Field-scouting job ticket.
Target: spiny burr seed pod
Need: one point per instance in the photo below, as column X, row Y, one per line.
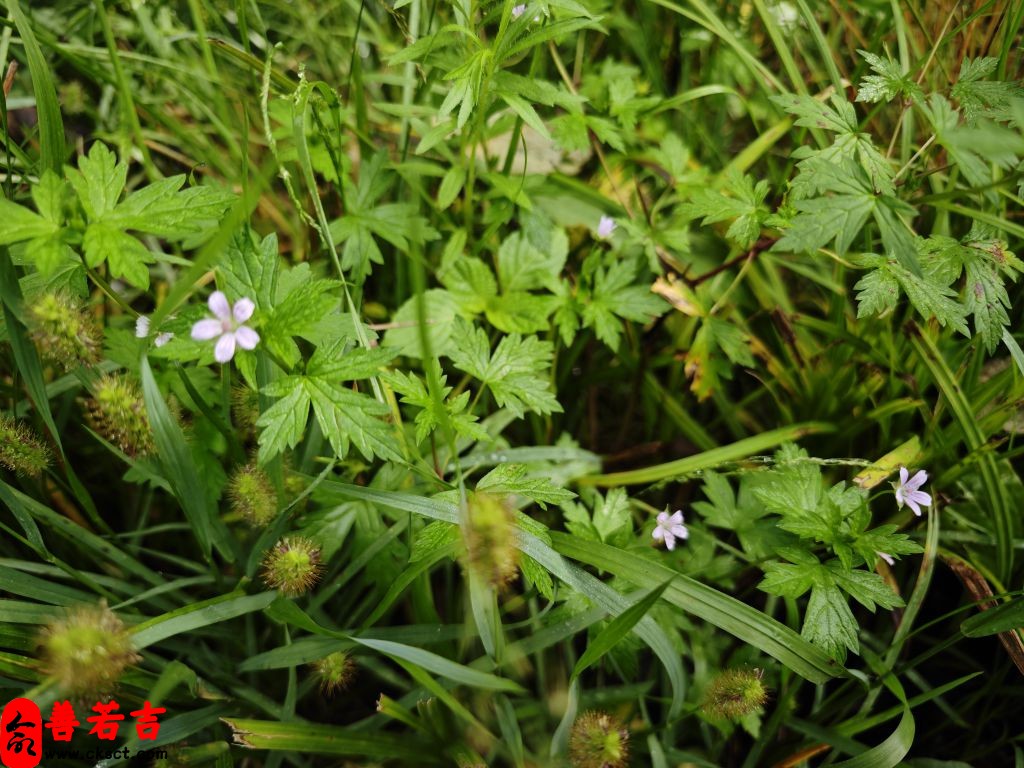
column 598, row 740
column 21, row 451
column 292, row 566
column 87, row 650
column 489, row 535
column 63, row 331
column 734, row 693
column 335, row 672
column 245, row 407
column 117, row 411
column 252, row 496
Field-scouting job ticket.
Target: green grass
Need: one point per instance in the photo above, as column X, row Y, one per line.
column 470, row 404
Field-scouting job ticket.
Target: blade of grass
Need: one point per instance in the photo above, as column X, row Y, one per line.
column 738, row 619
column 617, row 629
column 595, row 590
column 51, row 125
column 741, row 449
column 995, row 491
column 306, row 738
column 192, row 617
column 180, row 469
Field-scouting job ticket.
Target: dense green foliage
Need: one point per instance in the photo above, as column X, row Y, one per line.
column 463, row 383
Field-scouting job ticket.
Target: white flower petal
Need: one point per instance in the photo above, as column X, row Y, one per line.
column 207, row 329
column 141, row 327
column 904, row 474
column 662, row 518
column 677, row 517
column 658, row 533
column 921, row 498
column 680, row 531
column 605, row 227
column 912, row 503
column 225, row 348
column 246, row 337
column 163, row 338
column 670, row 541
column 218, row 304
column 243, row 309
column 888, row 558
column 919, row 479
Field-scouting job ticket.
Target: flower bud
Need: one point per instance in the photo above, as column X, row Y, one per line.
column 735, row 693
column 20, row 450
column 598, row 740
column 88, row 650
column 335, row 671
column 118, row 412
column 63, row 331
column 252, row 496
column 489, row 535
column 292, row 566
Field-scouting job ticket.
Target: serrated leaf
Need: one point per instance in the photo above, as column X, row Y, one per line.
column 441, row 309
column 431, row 538
column 126, row 256
column 866, row 587
column 745, row 206
column 163, row 208
column 788, row 580
column 250, row 268
column 980, row 97
column 889, row 81
column 522, row 267
column 614, row 298
column 22, row 224
column 283, row 424
column 513, row 478
column 513, row 372
column 829, row 622
column 99, row 181
column 346, row 416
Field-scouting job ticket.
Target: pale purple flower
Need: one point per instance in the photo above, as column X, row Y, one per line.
column 519, row 10
column 606, row 227
column 887, row 557
column 907, row 490
column 670, row 528
column 227, row 326
column 142, row 331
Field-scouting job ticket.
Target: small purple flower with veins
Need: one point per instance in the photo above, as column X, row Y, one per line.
column 606, row 227
column 518, row 10
column 670, row 528
column 227, row 327
column 907, row 490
